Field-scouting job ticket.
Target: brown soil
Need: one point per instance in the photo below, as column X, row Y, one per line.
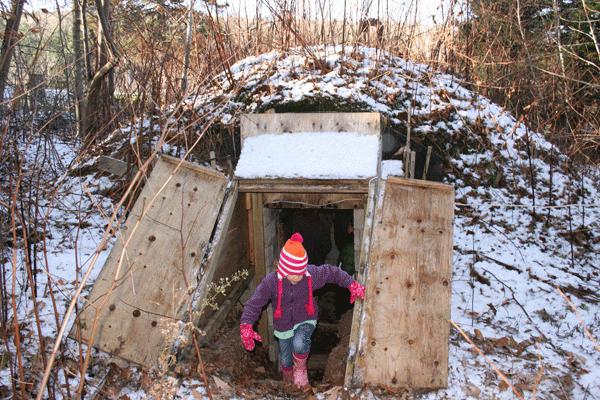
column 336, row 363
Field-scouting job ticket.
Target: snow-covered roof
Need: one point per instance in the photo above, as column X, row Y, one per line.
column 311, row 155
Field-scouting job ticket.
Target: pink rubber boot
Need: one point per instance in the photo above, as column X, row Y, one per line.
column 287, row 374
column 300, row 373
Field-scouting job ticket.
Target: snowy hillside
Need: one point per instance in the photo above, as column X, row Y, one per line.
column 527, row 221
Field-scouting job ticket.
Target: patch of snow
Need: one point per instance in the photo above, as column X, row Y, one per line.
column 392, row 168
column 314, row 155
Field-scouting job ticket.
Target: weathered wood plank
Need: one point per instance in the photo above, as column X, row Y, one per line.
column 113, row 166
column 258, row 238
column 214, row 259
column 304, row 185
column 359, row 224
column 234, row 253
column 404, row 340
column 341, row 201
column 175, row 196
column 145, row 283
column 260, row 124
column 260, row 266
column 270, row 250
column 361, row 273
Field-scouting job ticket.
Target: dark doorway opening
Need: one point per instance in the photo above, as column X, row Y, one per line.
column 328, row 239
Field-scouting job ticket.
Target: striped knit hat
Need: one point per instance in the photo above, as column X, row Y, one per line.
column 293, row 261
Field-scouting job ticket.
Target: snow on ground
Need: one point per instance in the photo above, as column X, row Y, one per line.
column 72, row 214
column 526, row 221
column 318, row 155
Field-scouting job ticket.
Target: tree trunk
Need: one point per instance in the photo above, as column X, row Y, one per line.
column 79, row 69
column 187, row 50
column 101, row 88
column 89, row 73
column 8, row 43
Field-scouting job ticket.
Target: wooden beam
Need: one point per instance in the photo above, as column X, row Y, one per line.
column 258, row 237
column 361, row 274
column 260, row 267
column 343, row 201
column 249, row 216
column 270, row 251
column 427, row 158
column 304, row 185
column 420, row 183
column 208, row 268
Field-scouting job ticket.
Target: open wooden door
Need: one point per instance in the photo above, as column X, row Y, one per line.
column 160, row 263
column 401, row 330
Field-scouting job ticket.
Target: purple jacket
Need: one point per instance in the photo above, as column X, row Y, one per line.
column 294, row 296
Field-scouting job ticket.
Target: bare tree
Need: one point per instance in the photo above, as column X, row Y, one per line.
column 187, row 48
column 8, row 42
column 96, row 116
column 79, row 64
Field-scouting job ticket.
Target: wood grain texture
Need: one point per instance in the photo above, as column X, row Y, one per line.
column 361, row 273
column 259, row 237
column 404, row 333
column 358, row 219
column 113, row 166
column 301, row 185
column 271, row 252
column 342, row 201
column 233, row 255
column 149, row 274
column 260, row 124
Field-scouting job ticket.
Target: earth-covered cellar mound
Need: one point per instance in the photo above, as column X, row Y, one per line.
column 526, row 217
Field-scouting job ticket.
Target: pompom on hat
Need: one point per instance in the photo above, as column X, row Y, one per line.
column 292, row 258
column 293, row 261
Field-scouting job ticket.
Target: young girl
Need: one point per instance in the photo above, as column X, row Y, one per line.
column 295, row 315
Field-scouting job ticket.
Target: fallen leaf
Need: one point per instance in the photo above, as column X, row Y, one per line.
column 221, row 384
column 333, row 393
column 503, row 386
column 472, row 390
column 479, row 335
column 197, row 396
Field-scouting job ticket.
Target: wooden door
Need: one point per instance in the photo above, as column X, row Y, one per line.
column 403, row 324
column 146, row 285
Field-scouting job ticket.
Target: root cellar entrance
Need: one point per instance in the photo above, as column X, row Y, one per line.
column 402, row 229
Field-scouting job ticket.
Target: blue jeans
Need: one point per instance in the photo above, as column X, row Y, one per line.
column 299, row 344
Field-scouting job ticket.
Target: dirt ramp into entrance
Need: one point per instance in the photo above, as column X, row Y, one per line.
column 335, row 368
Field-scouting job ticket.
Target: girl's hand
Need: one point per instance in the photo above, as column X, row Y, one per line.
column 356, row 290
column 248, row 336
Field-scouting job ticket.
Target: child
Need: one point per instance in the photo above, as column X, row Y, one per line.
column 295, row 317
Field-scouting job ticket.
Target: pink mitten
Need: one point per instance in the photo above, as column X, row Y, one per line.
column 248, row 336
column 356, row 290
